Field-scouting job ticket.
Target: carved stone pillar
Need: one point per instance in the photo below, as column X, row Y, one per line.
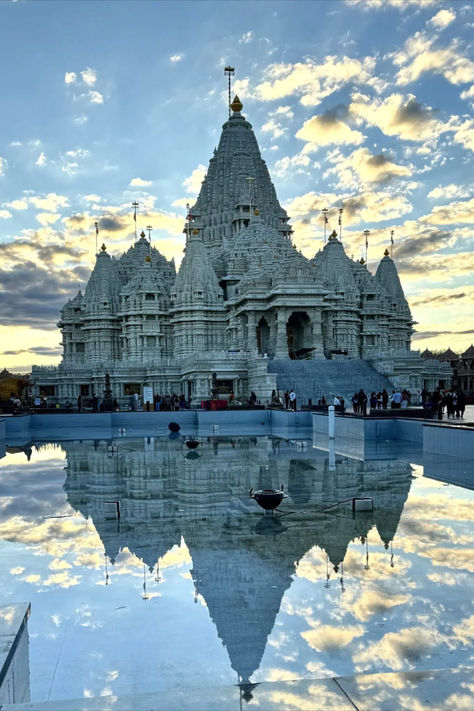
column 316, row 334
column 281, row 348
column 251, row 331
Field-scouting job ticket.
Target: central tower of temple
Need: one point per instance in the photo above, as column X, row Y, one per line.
column 237, row 179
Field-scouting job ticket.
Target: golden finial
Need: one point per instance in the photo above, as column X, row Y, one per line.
column 362, row 261
column 195, row 232
column 103, row 248
column 142, row 234
column 333, row 235
column 256, row 213
column 386, row 253
column 236, row 105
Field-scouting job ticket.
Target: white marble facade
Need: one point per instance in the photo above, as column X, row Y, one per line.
column 242, row 291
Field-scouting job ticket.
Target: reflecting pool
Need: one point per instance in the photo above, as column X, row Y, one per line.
column 148, row 566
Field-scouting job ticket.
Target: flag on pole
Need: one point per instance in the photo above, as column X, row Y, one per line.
column 391, row 237
column 326, row 219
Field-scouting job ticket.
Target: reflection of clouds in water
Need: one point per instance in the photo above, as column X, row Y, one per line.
column 63, row 580
column 450, row 579
column 397, row 649
column 177, row 556
column 456, row 558
column 274, row 674
column 325, row 638
column 59, row 564
column 376, row 602
column 438, row 506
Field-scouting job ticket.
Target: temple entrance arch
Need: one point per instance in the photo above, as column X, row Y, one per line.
column 298, row 331
column 263, row 336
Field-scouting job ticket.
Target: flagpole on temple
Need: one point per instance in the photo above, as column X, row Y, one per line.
column 135, row 205
column 325, row 214
column 229, row 71
column 341, row 210
column 391, row 243
column 96, row 238
column 366, row 235
column 149, row 229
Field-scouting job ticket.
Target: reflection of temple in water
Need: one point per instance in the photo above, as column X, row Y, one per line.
column 243, row 561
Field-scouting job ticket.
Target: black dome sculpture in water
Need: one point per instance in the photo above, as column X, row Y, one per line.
column 268, row 499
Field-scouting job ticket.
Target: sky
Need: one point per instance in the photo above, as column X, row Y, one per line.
column 364, row 104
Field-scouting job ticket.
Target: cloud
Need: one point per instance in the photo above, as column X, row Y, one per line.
column 92, row 197
column 433, row 297
column 312, row 81
column 47, row 218
column 95, row 97
column 3, row 165
column 81, row 119
column 397, row 115
column 138, row 182
column 41, row 160
column 273, row 127
column 175, row 58
column 446, row 192
column 78, row 153
column 193, row 183
column 361, row 166
column 89, row 76
column 51, row 201
column 70, row 167
column 442, row 19
column 70, row 78
column 418, row 57
column 325, row 129
column 461, row 211
column 464, row 134
column 298, row 163
column 247, row 37
column 5, row 214
column 399, row 4
column 17, row 204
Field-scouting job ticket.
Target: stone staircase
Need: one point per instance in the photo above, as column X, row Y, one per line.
column 311, row 379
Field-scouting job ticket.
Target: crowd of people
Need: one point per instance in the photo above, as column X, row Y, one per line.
column 450, row 401
column 453, row 402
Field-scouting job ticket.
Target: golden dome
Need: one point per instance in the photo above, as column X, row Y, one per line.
column 236, row 105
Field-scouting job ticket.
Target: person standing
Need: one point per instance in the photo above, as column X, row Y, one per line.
column 287, row 400
column 460, row 403
column 384, row 399
column 362, row 402
column 355, row 403
column 293, row 400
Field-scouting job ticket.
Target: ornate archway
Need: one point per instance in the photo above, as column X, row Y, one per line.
column 298, row 331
